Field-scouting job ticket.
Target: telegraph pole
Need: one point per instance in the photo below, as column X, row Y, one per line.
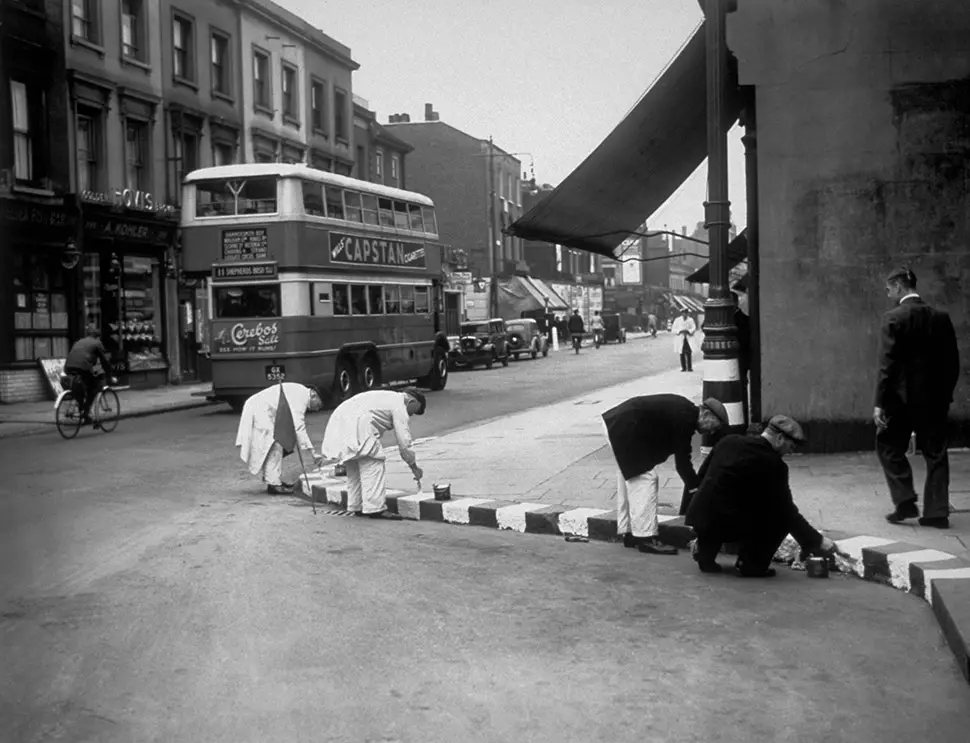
column 722, row 379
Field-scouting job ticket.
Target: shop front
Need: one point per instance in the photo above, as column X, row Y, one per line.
column 126, row 283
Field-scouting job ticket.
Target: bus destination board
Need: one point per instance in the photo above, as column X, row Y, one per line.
column 243, row 271
column 245, row 245
column 376, row 251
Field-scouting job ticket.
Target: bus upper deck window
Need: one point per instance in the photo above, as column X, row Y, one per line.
column 313, row 199
column 369, row 203
column 400, row 215
column 352, row 206
column 341, row 299
column 430, row 225
column 417, row 224
column 386, row 209
column 335, row 202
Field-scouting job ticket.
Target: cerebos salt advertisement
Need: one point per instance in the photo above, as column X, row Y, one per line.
column 245, row 336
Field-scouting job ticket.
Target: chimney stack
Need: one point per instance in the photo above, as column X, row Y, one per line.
column 392, row 119
column 406, row 118
column 429, row 113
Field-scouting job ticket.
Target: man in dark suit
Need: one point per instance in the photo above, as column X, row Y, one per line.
column 919, row 365
column 745, row 497
column 643, row 432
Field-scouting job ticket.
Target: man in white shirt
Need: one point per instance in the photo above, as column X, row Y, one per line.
column 683, row 330
column 353, row 439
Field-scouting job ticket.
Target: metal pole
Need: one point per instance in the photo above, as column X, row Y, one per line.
column 493, row 283
column 720, row 347
column 750, row 141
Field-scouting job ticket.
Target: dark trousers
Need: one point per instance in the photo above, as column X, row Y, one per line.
column 686, row 357
column 90, row 384
column 755, row 547
column 891, row 445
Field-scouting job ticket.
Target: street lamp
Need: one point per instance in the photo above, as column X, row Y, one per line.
column 71, row 255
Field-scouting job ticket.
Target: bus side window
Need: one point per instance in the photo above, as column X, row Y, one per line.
column 422, row 305
column 321, row 299
column 417, row 224
column 376, row 296
column 430, row 225
column 335, row 202
column 386, row 209
column 352, row 202
column 400, row 215
column 313, row 199
column 341, row 299
column 392, row 300
column 358, row 299
column 369, row 202
column 407, row 300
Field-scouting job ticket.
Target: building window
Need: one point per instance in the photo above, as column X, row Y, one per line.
column 84, row 20
column 88, row 150
column 133, row 35
column 379, row 165
column 187, row 158
column 183, row 63
column 290, row 95
column 223, row 154
column 340, row 113
column 40, row 300
column 23, row 140
column 261, row 89
column 395, row 168
column 317, row 93
column 220, row 64
column 136, row 155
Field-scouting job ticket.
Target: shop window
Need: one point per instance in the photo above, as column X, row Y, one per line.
column 40, row 302
column 376, row 295
column 422, row 304
column 341, row 299
column 407, row 300
column 234, row 302
column 352, row 206
column 392, row 300
column 141, row 320
column 358, row 299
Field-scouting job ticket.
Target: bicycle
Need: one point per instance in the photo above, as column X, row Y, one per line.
column 105, row 410
column 577, row 341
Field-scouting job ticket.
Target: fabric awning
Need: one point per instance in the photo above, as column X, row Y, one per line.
column 639, row 165
column 556, row 303
column 516, row 297
column 737, row 251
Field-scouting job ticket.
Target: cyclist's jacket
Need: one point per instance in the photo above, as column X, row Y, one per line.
column 575, row 324
column 85, row 354
column 596, row 323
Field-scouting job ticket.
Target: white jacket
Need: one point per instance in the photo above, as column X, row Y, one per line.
column 357, row 425
column 681, row 324
column 255, row 435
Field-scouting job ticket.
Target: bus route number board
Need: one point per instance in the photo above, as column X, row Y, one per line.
column 275, row 373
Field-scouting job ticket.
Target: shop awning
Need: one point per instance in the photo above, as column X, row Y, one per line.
column 737, row 251
column 556, row 303
column 639, row 165
column 515, row 296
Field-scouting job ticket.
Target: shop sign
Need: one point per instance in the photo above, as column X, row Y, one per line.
column 129, row 198
column 123, row 229
column 375, row 251
column 34, row 214
column 246, row 336
column 244, row 271
column 245, row 245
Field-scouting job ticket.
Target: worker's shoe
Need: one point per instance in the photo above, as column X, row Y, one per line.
column 907, row 510
column 653, row 546
column 753, row 572
column 281, row 489
column 384, row 515
column 630, row 541
column 937, row 522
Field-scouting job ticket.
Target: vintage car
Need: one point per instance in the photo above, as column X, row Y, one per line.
column 482, row 342
column 525, row 338
column 613, row 329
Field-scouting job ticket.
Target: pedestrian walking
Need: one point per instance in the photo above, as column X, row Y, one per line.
column 353, row 439
column 683, row 330
column 643, row 432
column 745, row 497
column 652, row 324
column 919, row 365
column 272, row 426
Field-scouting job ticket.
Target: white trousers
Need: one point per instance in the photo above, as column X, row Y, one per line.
column 272, row 473
column 366, row 485
column 636, row 502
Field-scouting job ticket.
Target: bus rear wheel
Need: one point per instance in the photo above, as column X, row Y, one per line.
column 370, row 374
column 438, row 377
column 344, row 381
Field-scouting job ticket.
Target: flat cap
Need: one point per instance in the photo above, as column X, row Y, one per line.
column 787, row 426
column 717, row 407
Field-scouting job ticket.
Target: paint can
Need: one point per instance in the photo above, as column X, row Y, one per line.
column 817, row 567
column 442, row 491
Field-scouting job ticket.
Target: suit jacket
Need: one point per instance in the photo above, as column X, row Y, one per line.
column 745, row 491
column 645, row 431
column 919, row 362
column 743, row 323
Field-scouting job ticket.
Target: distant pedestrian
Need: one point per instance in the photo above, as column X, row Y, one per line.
column 271, row 427
column 683, row 330
column 919, row 365
column 745, row 497
column 652, row 324
column 353, row 438
column 643, row 432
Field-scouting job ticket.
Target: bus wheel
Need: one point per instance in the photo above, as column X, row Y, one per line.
column 344, row 384
column 370, row 374
column 438, row 377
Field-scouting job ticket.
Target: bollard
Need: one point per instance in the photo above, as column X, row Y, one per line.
column 555, row 339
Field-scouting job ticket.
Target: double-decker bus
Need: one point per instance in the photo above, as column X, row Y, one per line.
column 316, row 278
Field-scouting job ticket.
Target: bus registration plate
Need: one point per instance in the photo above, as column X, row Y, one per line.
column 275, row 373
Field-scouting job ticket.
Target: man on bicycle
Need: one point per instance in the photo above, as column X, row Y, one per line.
column 80, row 362
column 596, row 325
column 576, row 329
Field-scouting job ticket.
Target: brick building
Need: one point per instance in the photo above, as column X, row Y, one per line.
column 380, row 155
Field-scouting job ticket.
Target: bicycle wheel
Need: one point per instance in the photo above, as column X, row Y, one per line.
column 107, row 410
column 68, row 416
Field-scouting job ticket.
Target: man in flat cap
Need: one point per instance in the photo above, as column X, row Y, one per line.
column 643, row 432
column 745, row 497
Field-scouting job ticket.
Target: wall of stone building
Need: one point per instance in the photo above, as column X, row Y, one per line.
column 863, row 112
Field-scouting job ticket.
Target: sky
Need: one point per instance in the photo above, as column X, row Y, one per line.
column 551, row 78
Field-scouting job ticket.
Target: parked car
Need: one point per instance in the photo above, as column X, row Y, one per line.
column 613, row 329
column 483, row 342
column 525, row 338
